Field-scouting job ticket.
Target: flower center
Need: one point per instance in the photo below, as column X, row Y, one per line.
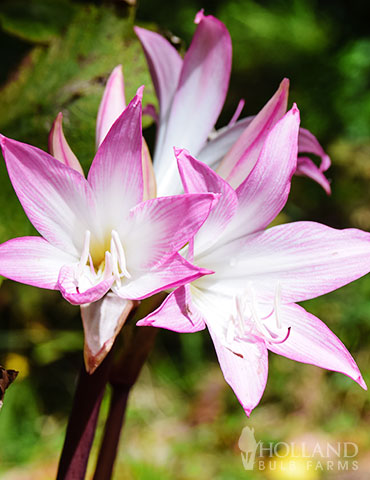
column 248, row 322
column 99, row 262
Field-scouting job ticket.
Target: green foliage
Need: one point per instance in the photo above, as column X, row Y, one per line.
column 68, row 75
column 273, row 34
column 18, row 433
column 353, row 98
column 35, row 21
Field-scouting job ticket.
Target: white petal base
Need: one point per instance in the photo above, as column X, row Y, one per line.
column 102, row 321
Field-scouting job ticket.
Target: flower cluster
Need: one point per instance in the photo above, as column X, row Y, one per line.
column 108, row 241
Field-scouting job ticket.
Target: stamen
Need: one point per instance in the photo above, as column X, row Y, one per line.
column 114, row 258
column 238, row 322
column 278, row 340
column 108, row 266
column 237, row 113
column 120, row 254
column 91, row 263
column 255, row 315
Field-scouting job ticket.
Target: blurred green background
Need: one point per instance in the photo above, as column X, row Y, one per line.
column 183, row 420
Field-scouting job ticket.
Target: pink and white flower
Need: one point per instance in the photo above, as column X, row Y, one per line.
column 97, row 234
column 191, row 93
column 249, row 303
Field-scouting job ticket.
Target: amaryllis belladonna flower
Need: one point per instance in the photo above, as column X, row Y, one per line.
column 97, row 234
column 248, row 304
column 191, row 93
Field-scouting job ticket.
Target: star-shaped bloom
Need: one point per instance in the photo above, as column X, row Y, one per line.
column 191, row 93
column 97, row 234
column 249, row 303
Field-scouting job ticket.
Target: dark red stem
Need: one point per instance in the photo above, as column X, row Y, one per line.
column 82, row 422
column 122, row 378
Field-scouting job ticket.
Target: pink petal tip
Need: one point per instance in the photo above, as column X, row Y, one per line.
column 140, row 92
column 361, row 382
column 295, row 109
column 199, row 16
column 285, row 83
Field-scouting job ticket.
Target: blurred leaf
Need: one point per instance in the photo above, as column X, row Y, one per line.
column 353, row 98
column 273, row 33
column 68, row 76
column 55, row 348
column 36, row 21
column 18, row 424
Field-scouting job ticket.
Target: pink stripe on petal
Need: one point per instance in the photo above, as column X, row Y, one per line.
column 59, row 148
column 159, row 227
column 307, row 168
column 112, row 104
column 165, row 65
column 172, row 273
column 149, row 181
column 264, row 193
column 308, row 143
column 198, row 100
column 198, row 177
column 245, row 371
column 242, row 157
column 32, row 260
column 221, row 141
column 305, row 259
column 177, row 313
column 69, row 290
column 58, row 200
column 311, row 341
column 116, row 174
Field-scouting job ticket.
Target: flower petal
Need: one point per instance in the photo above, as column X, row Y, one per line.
column 246, row 373
column 149, row 181
column 32, row 260
column 198, row 177
column 177, row 313
column 305, row 259
column 58, row 200
column 174, row 272
column 264, row 193
column 308, row 143
column 159, row 227
column 311, row 341
column 221, row 141
column 242, row 157
column 59, row 148
column 116, row 174
column 102, row 321
column 198, row 99
column 165, row 65
column 307, row 168
column 68, row 287
column 112, row 104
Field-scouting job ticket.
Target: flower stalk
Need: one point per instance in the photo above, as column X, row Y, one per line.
column 123, row 376
column 82, row 421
